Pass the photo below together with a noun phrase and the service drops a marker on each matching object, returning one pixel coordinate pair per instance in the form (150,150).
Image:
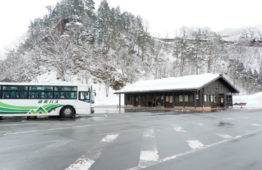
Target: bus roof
(43,84)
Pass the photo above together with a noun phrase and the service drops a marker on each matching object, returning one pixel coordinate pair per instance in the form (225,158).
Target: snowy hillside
(111,48)
(239,34)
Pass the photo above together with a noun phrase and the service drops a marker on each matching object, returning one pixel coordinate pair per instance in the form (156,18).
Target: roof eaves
(151,91)
(233,87)
(220,75)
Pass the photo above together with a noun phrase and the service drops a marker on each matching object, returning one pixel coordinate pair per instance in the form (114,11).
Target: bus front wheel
(1,118)
(67,112)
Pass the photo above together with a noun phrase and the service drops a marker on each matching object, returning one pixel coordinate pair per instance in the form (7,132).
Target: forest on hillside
(114,48)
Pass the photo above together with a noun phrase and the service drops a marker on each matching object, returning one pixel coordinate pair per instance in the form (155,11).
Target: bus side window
(56,95)
(73,95)
(62,95)
(23,95)
(43,96)
(49,95)
(17,96)
(6,95)
(37,95)
(13,95)
(66,95)
(33,95)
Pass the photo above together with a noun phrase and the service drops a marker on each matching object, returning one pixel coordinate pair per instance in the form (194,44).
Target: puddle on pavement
(225,124)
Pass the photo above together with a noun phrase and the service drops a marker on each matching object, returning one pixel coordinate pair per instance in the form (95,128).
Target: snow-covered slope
(102,100)
(253,101)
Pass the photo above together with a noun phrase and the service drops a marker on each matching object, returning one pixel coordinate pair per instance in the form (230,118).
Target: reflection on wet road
(110,139)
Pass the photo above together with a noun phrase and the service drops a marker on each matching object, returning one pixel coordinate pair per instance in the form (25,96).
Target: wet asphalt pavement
(109,140)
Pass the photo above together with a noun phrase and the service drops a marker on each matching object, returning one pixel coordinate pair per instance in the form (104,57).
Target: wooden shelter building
(211,91)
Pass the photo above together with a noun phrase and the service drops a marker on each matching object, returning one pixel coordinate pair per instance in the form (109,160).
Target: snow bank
(102,100)
(253,101)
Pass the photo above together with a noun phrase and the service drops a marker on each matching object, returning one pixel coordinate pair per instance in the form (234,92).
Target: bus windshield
(92,97)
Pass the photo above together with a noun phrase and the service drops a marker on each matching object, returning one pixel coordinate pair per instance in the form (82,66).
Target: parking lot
(112,140)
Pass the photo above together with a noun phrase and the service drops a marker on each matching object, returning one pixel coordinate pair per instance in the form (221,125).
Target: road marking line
(15,133)
(225,136)
(173,157)
(33,131)
(149,151)
(88,159)
(194,144)
(178,129)
(19,124)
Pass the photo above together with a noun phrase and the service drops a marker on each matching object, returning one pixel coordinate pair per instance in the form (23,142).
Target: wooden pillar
(184,100)
(125,99)
(164,97)
(119,102)
(195,100)
(201,97)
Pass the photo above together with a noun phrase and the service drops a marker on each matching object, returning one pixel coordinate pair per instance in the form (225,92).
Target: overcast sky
(163,17)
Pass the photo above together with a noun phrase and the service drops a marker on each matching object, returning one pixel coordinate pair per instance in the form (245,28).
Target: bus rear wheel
(1,118)
(67,112)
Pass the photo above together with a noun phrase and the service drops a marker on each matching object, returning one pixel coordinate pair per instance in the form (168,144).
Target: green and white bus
(28,99)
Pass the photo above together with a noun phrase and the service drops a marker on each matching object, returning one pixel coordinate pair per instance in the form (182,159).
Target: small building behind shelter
(211,91)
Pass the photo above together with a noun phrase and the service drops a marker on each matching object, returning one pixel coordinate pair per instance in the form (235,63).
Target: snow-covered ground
(253,101)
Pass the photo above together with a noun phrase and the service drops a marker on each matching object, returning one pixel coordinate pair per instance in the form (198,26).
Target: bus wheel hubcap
(68,111)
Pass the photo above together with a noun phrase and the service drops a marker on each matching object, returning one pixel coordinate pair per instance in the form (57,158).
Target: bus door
(84,96)
(84,106)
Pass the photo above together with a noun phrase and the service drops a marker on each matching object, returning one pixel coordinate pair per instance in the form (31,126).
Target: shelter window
(167,98)
(186,98)
(205,98)
(197,97)
(180,98)
(212,99)
(176,98)
(171,99)
(191,98)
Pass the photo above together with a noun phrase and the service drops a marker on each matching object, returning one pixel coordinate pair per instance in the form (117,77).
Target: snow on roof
(172,83)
